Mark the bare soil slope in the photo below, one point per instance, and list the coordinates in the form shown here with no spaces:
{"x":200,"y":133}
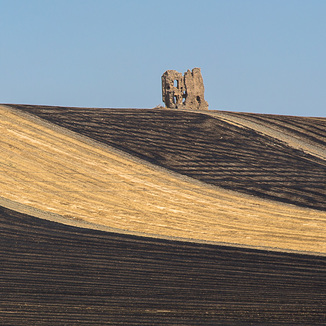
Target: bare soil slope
{"x":304,"y":133}
{"x":48,"y":168}
{"x":55,"y":274}
{"x":52,"y":274}
{"x":211,"y":149}
{"x":307,"y":129}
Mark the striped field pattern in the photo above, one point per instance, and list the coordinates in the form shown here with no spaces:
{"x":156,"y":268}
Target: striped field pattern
{"x":161,"y":217}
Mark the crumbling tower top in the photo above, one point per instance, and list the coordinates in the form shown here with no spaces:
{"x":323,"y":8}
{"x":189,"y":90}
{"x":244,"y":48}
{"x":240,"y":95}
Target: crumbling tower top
{"x":183,"y":92}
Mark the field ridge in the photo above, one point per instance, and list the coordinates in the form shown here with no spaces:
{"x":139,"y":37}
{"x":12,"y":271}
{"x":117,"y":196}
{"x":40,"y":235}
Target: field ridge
{"x":294,"y":136}
{"x":67,"y":176}
{"x":205,"y":148}
{"x":134,"y":217}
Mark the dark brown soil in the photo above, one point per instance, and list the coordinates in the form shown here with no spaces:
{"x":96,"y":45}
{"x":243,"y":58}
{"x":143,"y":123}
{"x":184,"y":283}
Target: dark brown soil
{"x":207,"y":149}
{"x":311,"y":129}
{"x":52,"y":274}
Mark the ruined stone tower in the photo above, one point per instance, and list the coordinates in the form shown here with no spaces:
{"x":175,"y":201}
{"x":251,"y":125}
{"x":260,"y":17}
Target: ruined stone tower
{"x":183,"y":92}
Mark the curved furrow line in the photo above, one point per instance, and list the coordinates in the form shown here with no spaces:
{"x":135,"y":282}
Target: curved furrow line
{"x":209,"y":149}
{"x":57,"y":274}
{"x":307,"y":134}
{"x":55,"y":171}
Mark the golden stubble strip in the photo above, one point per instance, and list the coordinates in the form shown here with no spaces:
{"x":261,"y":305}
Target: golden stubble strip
{"x":288,"y":137}
{"x":51,"y":170}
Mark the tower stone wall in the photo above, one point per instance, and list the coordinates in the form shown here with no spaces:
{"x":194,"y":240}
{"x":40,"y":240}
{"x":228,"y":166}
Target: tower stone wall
{"x":184,"y":91}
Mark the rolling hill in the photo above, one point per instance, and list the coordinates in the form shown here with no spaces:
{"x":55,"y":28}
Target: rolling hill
{"x":212,"y":149}
{"x":128,"y":216}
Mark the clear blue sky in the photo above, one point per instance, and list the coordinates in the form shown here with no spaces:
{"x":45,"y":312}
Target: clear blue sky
{"x":265,"y":56}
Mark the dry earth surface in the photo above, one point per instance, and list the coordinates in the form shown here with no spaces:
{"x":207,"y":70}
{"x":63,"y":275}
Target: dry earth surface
{"x":206,"y":147}
{"x":52,"y":170}
{"x":53,"y":274}
{"x":241,"y":179}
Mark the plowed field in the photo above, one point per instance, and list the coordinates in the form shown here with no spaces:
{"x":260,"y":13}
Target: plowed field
{"x":52,"y":274}
{"x":55,"y":171}
{"x":209,"y":148}
{"x":159,"y":217}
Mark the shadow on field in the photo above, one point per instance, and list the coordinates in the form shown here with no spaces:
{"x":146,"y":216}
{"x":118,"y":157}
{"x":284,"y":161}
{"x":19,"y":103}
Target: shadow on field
{"x":205,"y":148}
{"x":52,"y":274}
